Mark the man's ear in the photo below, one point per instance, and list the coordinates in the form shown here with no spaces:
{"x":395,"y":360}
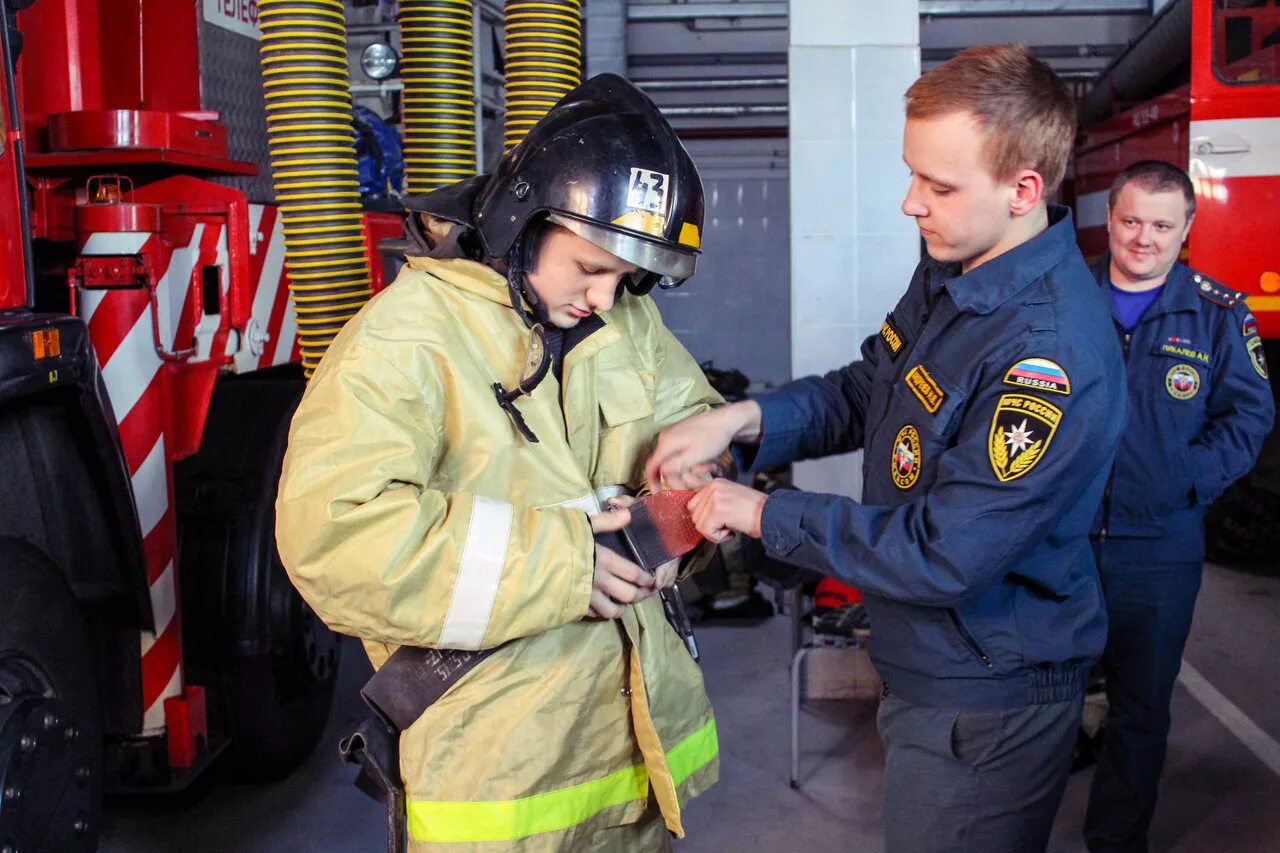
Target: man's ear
{"x":1028,"y":192}
{"x":1186,"y":232}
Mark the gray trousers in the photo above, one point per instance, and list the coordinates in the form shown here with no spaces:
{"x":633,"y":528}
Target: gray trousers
{"x":982,"y":781}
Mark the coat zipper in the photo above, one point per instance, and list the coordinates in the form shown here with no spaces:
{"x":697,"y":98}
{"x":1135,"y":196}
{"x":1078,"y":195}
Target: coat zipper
{"x":1111,"y":477}
{"x":968,"y":639}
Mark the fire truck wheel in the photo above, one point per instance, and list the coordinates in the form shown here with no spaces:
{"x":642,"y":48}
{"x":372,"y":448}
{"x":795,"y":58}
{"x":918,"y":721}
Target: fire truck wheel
{"x":50,"y":717}
{"x":278,"y":703}
{"x":1241,"y":528}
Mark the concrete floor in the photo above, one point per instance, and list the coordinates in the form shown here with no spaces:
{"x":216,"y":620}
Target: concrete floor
{"x":1217,"y":796}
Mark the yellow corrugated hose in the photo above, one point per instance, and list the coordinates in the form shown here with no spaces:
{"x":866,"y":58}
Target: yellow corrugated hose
{"x":313,"y":161}
{"x":438,"y":68}
{"x":543,"y":46}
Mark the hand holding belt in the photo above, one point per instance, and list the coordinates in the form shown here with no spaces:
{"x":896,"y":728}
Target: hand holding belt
{"x":661,"y":530}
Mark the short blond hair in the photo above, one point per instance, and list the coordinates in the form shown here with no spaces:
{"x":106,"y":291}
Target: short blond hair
{"x":1025,"y":109}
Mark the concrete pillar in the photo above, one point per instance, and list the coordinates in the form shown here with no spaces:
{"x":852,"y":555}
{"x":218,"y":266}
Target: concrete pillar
{"x":852,"y":249}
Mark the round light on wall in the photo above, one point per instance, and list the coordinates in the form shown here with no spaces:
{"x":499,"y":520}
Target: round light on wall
{"x":379,"y":60}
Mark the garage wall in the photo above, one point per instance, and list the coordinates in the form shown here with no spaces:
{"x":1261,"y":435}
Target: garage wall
{"x":736,"y":311}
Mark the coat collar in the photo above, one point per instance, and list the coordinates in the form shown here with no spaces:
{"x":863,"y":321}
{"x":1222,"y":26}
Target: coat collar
{"x":995,"y":282}
{"x":1178,"y":293}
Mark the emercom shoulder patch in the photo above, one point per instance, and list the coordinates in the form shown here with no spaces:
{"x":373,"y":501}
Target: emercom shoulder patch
{"x":1256,"y":356}
{"x":892,"y":338}
{"x":925,"y":389}
{"x":1040,"y":374}
{"x":1250,"y":327}
{"x":1021,"y":430}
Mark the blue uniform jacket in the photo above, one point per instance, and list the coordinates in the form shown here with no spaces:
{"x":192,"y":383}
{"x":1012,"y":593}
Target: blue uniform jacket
{"x":989,"y":408}
{"x":1200,"y":406}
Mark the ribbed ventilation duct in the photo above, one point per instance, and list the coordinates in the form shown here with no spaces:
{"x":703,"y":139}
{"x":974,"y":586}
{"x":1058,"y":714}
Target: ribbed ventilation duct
{"x":1142,"y":71}
{"x":438,"y":68}
{"x":543,"y":47}
{"x":304,"y":71}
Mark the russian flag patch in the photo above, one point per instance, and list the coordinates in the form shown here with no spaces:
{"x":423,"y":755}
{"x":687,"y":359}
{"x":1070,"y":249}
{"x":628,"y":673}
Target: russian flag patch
{"x":1039,"y":374}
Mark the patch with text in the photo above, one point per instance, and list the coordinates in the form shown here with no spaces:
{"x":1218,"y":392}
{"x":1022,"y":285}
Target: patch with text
{"x":1256,"y":356}
{"x":1021,"y":430}
{"x":906,"y":457}
{"x":1040,"y":374}
{"x":1182,"y":382}
{"x":892,"y":338}
{"x":925,"y":389}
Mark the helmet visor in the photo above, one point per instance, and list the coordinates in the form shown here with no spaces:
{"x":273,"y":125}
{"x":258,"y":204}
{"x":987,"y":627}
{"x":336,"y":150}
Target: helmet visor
{"x":671,"y":265}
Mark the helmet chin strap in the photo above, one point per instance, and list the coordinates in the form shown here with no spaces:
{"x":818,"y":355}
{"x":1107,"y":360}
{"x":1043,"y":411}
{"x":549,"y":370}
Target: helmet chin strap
{"x":540,"y":354}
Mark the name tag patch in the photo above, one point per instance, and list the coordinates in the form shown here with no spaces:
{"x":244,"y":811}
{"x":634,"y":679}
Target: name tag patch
{"x":1040,"y":374}
{"x":892,"y":339}
{"x":1183,"y":348}
{"x":925,"y":389}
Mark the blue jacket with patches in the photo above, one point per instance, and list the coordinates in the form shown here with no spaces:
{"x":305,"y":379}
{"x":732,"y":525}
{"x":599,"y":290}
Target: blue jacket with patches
{"x":1200,"y":406}
{"x":989,"y":408}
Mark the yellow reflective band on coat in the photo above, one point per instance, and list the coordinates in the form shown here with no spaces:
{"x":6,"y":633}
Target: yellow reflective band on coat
{"x":514,"y":819}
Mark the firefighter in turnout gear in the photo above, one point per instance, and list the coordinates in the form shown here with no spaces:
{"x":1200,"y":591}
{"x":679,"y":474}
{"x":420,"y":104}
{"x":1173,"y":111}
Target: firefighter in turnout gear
{"x":453,"y":454}
{"x":1200,"y":406}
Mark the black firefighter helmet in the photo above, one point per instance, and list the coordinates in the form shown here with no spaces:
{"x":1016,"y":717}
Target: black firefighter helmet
{"x":605,"y":164}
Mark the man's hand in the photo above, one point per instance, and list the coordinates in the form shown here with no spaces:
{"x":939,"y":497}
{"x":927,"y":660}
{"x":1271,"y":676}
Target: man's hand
{"x":686,"y":453}
{"x":618,"y":582}
{"x":723,"y":507}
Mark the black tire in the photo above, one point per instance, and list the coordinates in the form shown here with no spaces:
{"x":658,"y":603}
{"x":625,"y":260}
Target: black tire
{"x":277,"y":704}
{"x":273,"y":692}
{"x":51,"y":750}
{"x":1242,"y":528}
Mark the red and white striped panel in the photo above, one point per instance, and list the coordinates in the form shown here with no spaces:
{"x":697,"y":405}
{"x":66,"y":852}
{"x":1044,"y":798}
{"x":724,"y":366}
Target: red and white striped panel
{"x":138,"y":386}
{"x":271,"y":334}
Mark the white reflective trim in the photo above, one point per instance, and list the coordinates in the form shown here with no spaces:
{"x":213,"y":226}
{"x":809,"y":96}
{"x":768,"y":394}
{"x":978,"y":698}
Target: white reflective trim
{"x":151,"y":488}
{"x":476,"y":589}
{"x":593,"y":504}
{"x":115,"y":243}
{"x":87,"y":302}
{"x":1091,"y":209}
{"x":1235,"y":148}
{"x":132,"y":366}
{"x":288,"y":332}
{"x":164,"y":599}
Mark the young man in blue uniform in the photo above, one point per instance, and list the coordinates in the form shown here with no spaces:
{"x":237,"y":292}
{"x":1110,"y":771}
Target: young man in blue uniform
{"x":988,"y":407}
{"x":1200,"y":405}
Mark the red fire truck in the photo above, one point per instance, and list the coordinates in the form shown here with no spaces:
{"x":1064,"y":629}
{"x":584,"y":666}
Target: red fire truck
{"x":1201,"y":88}
{"x":148,"y":371}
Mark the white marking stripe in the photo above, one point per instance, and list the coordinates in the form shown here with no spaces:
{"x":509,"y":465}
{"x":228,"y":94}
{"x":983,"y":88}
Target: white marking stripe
{"x":1246,"y":730}
{"x":87,"y":302}
{"x":269,"y":282}
{"x":151,"y":488}
{"x":476,"y":587}
{"x":288,"y":331}
{"x":115,"y":243}
{"x":593,"y":504}
{"x":1235,"y":148}
{"x":153,"y":719}
{"x":1091,"y":209}
{"x":132,"y":366}
{"x":174,"y":288}
{"x":164,"y":603}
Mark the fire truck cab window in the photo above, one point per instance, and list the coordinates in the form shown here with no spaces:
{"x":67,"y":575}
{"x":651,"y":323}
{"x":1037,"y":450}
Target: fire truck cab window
{"x":1246,"y":46}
